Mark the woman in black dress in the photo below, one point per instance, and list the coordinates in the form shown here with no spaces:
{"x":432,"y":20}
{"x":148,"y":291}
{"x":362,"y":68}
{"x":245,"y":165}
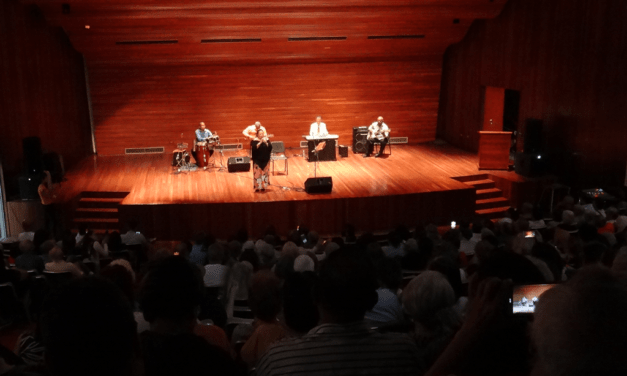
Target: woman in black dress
{"x":262,"y":148}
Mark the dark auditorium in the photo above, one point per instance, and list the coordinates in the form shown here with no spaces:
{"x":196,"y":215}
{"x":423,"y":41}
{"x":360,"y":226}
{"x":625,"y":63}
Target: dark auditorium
{"x":313,"y":187}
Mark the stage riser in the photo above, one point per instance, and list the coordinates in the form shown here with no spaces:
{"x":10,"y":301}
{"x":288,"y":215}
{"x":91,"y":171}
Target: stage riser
{"x":326,"y":216}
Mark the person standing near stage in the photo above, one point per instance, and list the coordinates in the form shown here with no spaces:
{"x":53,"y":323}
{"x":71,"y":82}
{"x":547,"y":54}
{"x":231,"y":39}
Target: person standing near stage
{"x":251,"y":130}
{"x":48,"y":200}
{"x":378,"y":132}
{"x":261,"y":148}
{"x":318,"y":128}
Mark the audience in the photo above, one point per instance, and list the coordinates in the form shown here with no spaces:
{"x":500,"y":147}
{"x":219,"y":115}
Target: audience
{"x":343,"y":342}
{"x":169,"y":297}
{"x":341,"y":298}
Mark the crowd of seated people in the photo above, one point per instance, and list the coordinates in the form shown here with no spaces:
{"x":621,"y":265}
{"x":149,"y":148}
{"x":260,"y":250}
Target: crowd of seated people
{"x":434,"y":301}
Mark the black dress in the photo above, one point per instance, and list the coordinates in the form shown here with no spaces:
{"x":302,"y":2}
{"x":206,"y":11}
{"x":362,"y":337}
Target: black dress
{"x":261,"y":154}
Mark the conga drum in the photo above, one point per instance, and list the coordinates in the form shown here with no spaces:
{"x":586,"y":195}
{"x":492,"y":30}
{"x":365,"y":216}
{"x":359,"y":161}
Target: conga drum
{"x":202,"y":154}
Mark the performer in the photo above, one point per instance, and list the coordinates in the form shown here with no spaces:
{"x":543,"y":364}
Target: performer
{"x":251,"y":130}
{"x":318,"y":129}
{"x":378,"y":132}
{"x":262,"y":148}
{"x":202,"y":135}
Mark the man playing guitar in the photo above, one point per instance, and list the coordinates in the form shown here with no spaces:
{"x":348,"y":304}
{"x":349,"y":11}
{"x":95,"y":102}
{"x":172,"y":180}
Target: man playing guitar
{"x":378,"y":132}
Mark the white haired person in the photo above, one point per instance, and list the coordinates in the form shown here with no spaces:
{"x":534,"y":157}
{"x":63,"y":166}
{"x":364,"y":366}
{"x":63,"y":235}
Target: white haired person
{"x":429,"y":299}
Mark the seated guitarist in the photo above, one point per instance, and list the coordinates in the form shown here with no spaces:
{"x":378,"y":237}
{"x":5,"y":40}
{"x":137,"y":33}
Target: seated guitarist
{"x":378,"y":132}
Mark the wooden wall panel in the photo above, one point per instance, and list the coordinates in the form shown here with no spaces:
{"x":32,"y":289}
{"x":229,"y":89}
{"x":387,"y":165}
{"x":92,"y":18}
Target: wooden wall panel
{"x":567,"y":59}
{"x":154,"y":106}
{"x":43,"y":88}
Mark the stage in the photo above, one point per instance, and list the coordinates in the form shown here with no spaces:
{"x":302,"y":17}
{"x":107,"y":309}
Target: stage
{"x":415,"y":184}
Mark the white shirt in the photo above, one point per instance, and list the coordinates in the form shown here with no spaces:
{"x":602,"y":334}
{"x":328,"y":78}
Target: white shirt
{"x":318,"y":130}
{"x":378,"y":132}
{"x":133,"y":238}
{"x":251,"y":131}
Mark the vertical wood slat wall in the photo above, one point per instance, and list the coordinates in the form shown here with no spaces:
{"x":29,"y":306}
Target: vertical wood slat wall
{"x":153,"y":106}
{"x":43,"y":88}
{"x":567,"y":59}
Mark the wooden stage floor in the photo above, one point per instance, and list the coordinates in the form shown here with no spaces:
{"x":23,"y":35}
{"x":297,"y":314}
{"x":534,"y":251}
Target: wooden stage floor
{"x":413,"y":184}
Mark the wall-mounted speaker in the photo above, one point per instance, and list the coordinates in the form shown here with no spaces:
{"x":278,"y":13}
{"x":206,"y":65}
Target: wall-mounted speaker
{"x":33,"y":162}
{"x":529,"y":164}
{"x":319,"y":185}
{"x":359,"y":139}
{"x":533,"y":136}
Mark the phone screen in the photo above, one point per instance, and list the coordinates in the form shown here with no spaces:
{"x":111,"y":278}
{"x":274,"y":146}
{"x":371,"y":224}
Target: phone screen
{"x":453,"y":224}
{"x":525,"y":297}
{"x":530,"y":234}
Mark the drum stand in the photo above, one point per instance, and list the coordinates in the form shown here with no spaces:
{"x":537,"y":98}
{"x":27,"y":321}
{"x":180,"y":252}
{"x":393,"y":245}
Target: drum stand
{"x":182,"y":162}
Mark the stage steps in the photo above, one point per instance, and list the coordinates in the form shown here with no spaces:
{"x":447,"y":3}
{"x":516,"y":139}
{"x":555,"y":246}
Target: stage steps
{"x":490,"y":202}
{"x":98,"y":211}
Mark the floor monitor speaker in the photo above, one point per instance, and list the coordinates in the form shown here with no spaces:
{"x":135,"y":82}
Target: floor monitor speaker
{"x":238,"y":164}
{"x":319,"y":185}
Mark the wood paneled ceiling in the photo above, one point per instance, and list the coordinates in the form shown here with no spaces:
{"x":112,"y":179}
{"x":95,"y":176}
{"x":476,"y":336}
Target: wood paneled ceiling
{"x":173,"y":32}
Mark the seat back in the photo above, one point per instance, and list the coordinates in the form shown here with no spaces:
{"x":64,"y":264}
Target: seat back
{"x":57,"y":279}
{"x":278,"y":147}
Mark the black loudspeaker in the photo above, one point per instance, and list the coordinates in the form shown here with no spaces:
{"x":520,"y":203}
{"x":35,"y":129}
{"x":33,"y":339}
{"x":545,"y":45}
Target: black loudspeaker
{"x":28,"y":186}
{"x":529,"y":165}
{"x":319,"y":185}
{"x":533,"y":136}
{"x":33,"y":162}
{"x":343,"y":151}
{"x":237,"y":164}
{"x":359,"y":139}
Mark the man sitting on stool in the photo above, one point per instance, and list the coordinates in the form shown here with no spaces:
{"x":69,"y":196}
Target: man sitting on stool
{"x":378,"y":132}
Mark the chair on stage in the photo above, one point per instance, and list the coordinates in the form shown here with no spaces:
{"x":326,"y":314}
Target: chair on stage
{"x":377,"y":147}
{"x":278,"y":154}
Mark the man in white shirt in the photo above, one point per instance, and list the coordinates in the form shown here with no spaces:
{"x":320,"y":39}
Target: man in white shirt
{"x":251,"y":131}
{"x":378,"y":132}
{"x":318,"y":129}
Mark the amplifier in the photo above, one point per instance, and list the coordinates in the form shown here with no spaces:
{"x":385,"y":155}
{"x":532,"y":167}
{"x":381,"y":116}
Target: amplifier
{"x":237,"y":164}
{"x":343,"y":151}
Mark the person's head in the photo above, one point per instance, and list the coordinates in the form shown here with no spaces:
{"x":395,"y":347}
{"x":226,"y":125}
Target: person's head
{"x":202,"y":126}
{"x":257,"y":125}
{"x":56,"y":254}
{"x":299,"y":307}
{"x":429,"y":298}
{"x":264,"y":295}
{"x":318,"y":119}
{"x":579,"y":327}
{"x":172,"y":290}
{"x":389,"y":273}
{"x":215,"y":254}
{"x":27,"y":246}
{"x":346,"y":287}
{"x":88,"y":328}
{"x":260,"y":133}
{"x":380,"y":120}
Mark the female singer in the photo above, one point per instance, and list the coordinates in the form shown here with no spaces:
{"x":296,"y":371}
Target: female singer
{"x":262,"y":148}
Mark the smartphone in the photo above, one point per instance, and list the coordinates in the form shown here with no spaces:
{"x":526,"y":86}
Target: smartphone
{"x":530,"y":234}
{"x":525,"y":297}
{"x":453,"y":224}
